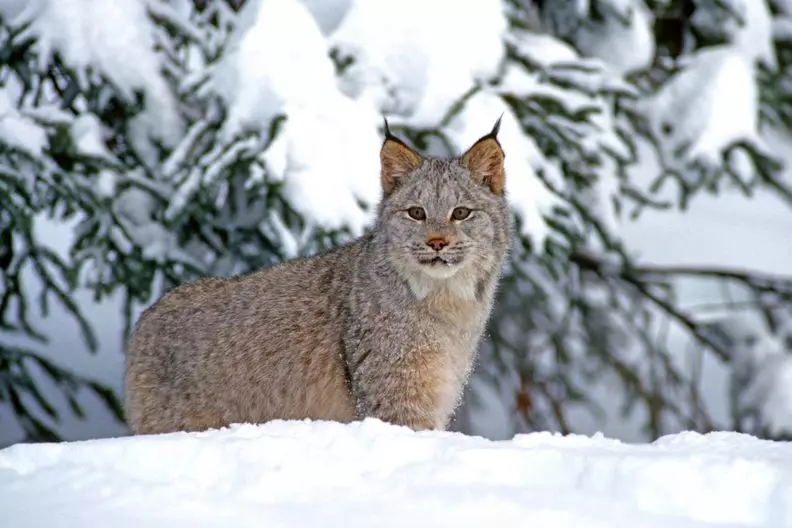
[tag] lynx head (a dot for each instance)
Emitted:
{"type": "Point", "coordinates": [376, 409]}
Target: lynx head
{"type": "Point", "coordinates": [440, 217]}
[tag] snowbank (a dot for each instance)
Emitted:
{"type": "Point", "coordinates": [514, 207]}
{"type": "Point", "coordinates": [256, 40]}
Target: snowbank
{"type": "Point", "coordinates": [295, 474]}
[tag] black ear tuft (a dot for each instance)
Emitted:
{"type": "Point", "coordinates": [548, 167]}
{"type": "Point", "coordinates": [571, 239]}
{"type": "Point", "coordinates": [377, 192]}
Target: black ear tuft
{"type": "Point", "coordinates": [496, 128]}
{"type": "Point", "coordinates": [390, 137]}
{"type": "Point", "coordinates": [493, 134]}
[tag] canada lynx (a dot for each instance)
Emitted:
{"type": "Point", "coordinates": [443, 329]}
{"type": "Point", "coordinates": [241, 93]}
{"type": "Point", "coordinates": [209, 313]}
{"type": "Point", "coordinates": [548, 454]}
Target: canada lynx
{"type": "Point", "coordinates": [386, 326]}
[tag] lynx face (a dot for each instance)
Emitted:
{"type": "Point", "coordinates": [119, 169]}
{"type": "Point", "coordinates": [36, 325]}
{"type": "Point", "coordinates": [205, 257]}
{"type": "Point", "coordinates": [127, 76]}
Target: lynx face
{"type": "Point", "coordinates": [443, 216]}
{"type": "Point", "coordinates": [443, 219]}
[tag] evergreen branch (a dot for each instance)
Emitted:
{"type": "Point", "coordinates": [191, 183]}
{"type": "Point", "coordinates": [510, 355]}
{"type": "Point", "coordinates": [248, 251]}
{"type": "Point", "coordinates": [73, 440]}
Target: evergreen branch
{"type": "Point", "coordinates": [638, 276]}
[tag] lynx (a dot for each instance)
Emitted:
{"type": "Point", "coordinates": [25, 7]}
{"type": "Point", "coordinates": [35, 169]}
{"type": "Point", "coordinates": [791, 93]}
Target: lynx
{"type": "Point", "coordinates": [386, 326]}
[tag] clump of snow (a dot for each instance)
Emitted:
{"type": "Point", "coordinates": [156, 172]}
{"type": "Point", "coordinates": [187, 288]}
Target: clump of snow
{"type": "Point", "coordinates": [332, 163]}
{"type": "Point", "coordinates": [541, 48]}
{"type": "Point", "coordinates": [328, 13]}
{"type": "Point", "coordinates": [621, 33]}
{"type": "Point", "coordinates": [747, 24]}
{"type": "Point", "coordinates": [696, 109]}
{"type": "Point", "coordinates": [418, 58]}
{"type": "Point", "coordinates": [327, 151]}
{"type": "Point", "coordinates": [114, 38]}
{"type": "Point", "coordinates": [19, 131]}
{"type": "Point", "coordinates": [88, 136]}
{"type": "Point", "coordinates": [134, 209]}
{"type": "Point", "coordinates": [774, 382]}
{"type": "Point", "coordinates": [623, 39]}
{"type": "Point", "coordinates": [756, 35]}
{"type": "Point", "coordinates": [275, 55]}
{"type": "Point", "coordinates": [295, 474]}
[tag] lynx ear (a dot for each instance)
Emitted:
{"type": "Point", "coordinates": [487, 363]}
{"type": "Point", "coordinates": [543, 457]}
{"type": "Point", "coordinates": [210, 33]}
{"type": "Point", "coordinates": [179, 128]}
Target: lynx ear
{"type": "Point", "coordinates": [485, 160]}
{"type": "Point", "coordinates": [397, 160]}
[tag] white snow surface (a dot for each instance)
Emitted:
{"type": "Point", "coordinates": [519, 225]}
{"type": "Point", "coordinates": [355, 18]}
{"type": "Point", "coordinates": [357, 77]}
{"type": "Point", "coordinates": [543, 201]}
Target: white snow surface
{"type": "Point", "coordinates": [369, 473]}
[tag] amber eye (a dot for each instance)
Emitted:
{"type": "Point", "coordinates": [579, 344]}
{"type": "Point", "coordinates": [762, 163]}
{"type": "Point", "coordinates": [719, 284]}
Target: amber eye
{"type": "Point", "coordinates": [417, 213]}
{"type": "Point", "coordinates": [460, 213]}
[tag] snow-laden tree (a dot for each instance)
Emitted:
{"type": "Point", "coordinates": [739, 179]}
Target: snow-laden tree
{"type": "Point", "coordinates": [189, 138]}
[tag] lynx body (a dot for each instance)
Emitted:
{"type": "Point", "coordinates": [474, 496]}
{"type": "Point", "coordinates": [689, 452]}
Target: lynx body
{"type": "Point", "coordinates": [386, 326]}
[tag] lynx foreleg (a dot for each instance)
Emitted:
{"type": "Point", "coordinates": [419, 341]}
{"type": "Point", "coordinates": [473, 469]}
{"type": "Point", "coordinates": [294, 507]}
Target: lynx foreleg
{"type": "Point", "coordinates": [408, 388]}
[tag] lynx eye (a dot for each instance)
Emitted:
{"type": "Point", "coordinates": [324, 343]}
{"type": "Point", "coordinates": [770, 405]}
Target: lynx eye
{"type": "Point", "coordinates": [417, 213]}
{"type": "Point", "coordinates": [460, 213]}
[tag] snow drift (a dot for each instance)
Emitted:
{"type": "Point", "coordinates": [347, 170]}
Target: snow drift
{"type": "Point", "coordinates": [295, 474]}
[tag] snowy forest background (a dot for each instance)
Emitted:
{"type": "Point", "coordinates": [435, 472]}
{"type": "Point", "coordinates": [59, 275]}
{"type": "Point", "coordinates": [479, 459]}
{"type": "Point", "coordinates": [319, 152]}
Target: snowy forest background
{"type": "Point", "coordinates": [144, 143]}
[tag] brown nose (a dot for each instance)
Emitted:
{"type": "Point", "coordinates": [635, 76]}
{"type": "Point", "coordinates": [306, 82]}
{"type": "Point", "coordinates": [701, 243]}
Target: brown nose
{"type": "Point", "coordinates": [437, 243]}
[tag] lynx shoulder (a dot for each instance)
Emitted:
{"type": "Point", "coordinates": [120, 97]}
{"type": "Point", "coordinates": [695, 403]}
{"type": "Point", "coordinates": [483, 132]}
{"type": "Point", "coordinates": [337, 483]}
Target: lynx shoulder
{"type": "Point", "coordinates": [386, 326]}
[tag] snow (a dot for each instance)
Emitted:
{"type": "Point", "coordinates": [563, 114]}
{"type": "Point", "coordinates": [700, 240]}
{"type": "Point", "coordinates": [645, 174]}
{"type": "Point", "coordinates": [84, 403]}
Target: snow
{"type": "Point", "coordinates": [134, 208]}
{"type": "Point", "coordinates": [622, 37]}
{"type": "Point", "coordinates": [545, 50]}
{"type": "Point", "coordinates": [328, 13]}
{"type": "Point", "coordinates": [19, 131]}
{"type": "Point", "coordinates": [747, 24]}
{"type": "Point", "coordinates": [365, 473]}
{"type": "Point", "coordinates": [419, 66]}
{"type": "Point", "coordinates": [331, 149]}
{"type": "Point", "coordinates": [327, 151]}
{"type": "Point", "coordinates": [88, 136]}
{"type": "Point", "coordinates": [116, 40]}
{"type": "Point", "coordinates": [277, 63]}
{"type": "Point", "coordinates": [755, 37]}
{"type": "Point", "coordinates": [695, 110]}
{"type": "Point", "coordinates": [255, 81]}
{"type": "Point", "coordinates": [592, 77]}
